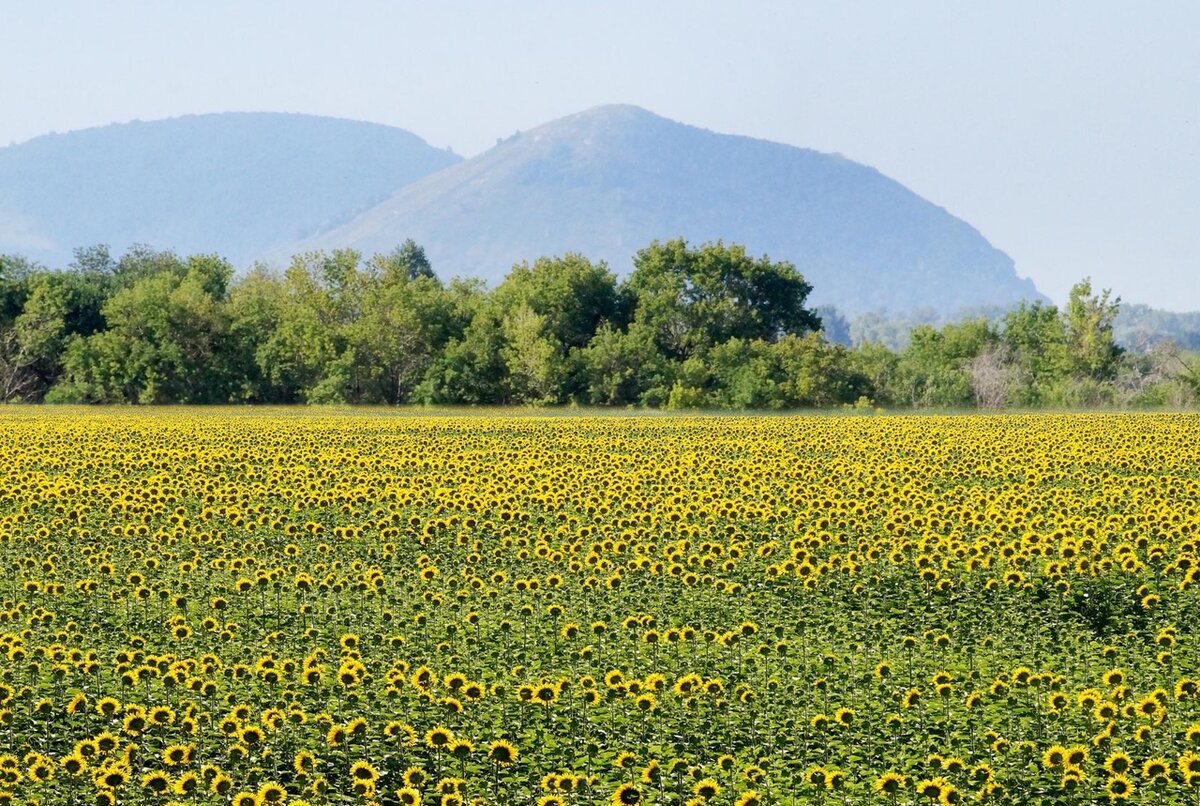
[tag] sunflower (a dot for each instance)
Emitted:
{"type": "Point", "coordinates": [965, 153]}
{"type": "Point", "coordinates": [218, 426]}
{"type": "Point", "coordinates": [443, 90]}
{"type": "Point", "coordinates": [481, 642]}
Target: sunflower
{"type": "Point", "coordinates": [438, 738]}
{"type": "Point", "coordinates": [363, 771]}
{"type": "Point", "coordinates": [174, 755]}
{"type": "Point", "coordinates": [75, 764]}
{"type": "Point", "coordinates": [1118, 763]}
{"type": "Point", "coordinates": [502, 753]}
{"type": "Point", "coordinates": [890, 783]}
{"type": "Point", "coordinates": [1054, 756]}
{"type": "Point", "coordinates": [336, 736]}
{"type": "Point", "coordinates": [134, 723]}
{"type": "Point", "coordinates": [1155, 769]}
{"type": "Point", "coordinates": [162, 715]}
{"type": "Point", "coordinates": [933, 788]}
{"type": "Point", "coordinates": [407, 796]}
{"type": "Point", "coordinates": [304, 763]}
{"type": "Point", "coordinates": [271, 793]}
{"type": "Point", "coordinates": [401, 733]}
{"type": "Point", "coordinates": [415, 777]}
{"type": "Point", "coordinates": [1075, 756]}
{"type": "Point", "coordinates": [626, 795]}
{"type": "Point", "coordinates": [449, 786]}
{"type": "Point", "coordinates": [221, 784]}
{"type": "Point", "coordinates": [156, 782]}
{"type": "Point", "coordinates": [111, 777]}
{"type": "Point", "coordinates": [1119, 788]}
{"type": "Point", "coordinates": [41, 769]}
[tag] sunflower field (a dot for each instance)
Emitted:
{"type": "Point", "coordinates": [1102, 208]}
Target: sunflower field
{"type": "Point", "coordinates": [245, 606]}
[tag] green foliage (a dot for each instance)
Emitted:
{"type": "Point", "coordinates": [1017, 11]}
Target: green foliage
{"type": "Point", "coordinates": [934, 369]}
{"type": "Point", "coordinates": [573, 295]}
{"type": "Point", "coordinates": [406, 320]}
{"type": "Point", "coordinates": [624, 367]}
{"type": "Point", "coordinates": [1088, 322]}
{"type": "Point", "coordinates": [1037, 338]}
{"type": "Point", "coordinates": [164, 341]}
{"type": "Point", "coordinates": [471, 369]}
{"type": "Point", "coordinates": [31, 344]}
{"type": "Point", "coordinates": [691, 327]}
{"type": "Point", "coordinates": [695, 299]}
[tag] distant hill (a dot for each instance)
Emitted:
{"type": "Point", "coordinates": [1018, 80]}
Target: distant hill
{"type": "Point", "coordinates": [605, 182]}
{"type": "Point", "coordinates": [1139, 327]}
{"type": "Point", "coordinates": [608, 181]}
{"type": "Point", "coordinates": [235, 183]}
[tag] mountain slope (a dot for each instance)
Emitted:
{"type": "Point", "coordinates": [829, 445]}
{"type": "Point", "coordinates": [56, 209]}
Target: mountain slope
{"type": "Point", "coordinates": [608, 181]}
{"type": "Point", "coordinates": [234, 183]}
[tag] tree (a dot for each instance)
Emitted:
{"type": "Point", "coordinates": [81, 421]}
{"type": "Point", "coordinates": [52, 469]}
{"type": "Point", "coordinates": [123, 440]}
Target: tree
{"type": "Point", "coordinates": [619, 368]}
{"type": "Point", "coordinates": [96, 261]}
{"type": "Point", "coordinates": [30, 347]}
{"type": "Point", "coordinates": [1037, 345]}
{"type": "Point", "coordinates": [738, 375]}
{"type": "Point", "coordinates": [406, 261]}
{"type": "Point", "coordinates": [815, 373]}
{"type": "Point", "coordinates": [472, 368]}
{"type": "Point", "coordinates": [934, 369]}
{"type": "Point", "coordinates": [164, 341]}
{"type": "Point", "coordinates": [993, 377]}
{"type": "Point", "coordinates": [321, 293]}
{"type": "Point", "coordinates": [550, 309]}
{"type": "Point", "coordinates": [876, 364]}
{"type": "Point", "coordinates": [407, 319]}
{"type": "Point", "coordinates": [834, 326]}
{"type": "Point", "coordinates": [255, 309]}
{"type": "Point", "coordinates": [573, 294]}
{"type": "Point", "coordinates": [534, 362]}
{"type": "Point", "coordinates": [15, 272]}
{"type": "Point", "coordinates": [1091, 349]}
{"type": "Point", "coordinates": [695, 299]}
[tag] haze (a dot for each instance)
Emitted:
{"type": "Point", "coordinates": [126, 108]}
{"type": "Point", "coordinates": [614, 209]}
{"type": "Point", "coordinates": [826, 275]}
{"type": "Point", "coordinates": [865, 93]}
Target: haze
{"type": "Point", "coordinates": [1067, 134]}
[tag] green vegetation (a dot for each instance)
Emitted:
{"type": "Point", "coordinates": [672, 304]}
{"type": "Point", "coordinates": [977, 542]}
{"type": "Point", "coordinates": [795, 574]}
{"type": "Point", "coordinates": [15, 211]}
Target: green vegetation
{"type": "Point", "coordinates": [689, 327]}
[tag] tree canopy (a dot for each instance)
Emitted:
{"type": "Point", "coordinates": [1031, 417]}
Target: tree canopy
{"type": "Point", "coordinates": [690, 326]}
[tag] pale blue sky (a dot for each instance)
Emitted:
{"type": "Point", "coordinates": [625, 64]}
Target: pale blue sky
{"type": "Point", "coordinates": [1067, 133]}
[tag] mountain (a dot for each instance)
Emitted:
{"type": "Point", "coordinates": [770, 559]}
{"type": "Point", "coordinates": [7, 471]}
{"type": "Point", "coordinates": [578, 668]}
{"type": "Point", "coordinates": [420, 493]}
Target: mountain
{"type": "Point", "coordinates": [1138, 327]}
{"type": "Point", "coordinates": [234, 183]}
{"type": "Point", "coordinates": [608, 181]}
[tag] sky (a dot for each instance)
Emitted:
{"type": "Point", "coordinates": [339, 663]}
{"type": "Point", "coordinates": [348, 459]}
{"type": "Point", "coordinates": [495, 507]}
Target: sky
{"type": "Point", "coordinates": [1068, 133]}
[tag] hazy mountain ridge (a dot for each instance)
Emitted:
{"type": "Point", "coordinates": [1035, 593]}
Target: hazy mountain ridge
{"type": "Point", "coordinates": [237, 183]}
{"type": "Point", "coordinates": [607, 181]}
{"type": "Point", "coordinates": [604, 182]}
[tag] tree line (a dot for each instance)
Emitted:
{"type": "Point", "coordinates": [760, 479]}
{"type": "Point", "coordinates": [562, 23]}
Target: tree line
{"type": "Point", "coordinates": [689, 327]}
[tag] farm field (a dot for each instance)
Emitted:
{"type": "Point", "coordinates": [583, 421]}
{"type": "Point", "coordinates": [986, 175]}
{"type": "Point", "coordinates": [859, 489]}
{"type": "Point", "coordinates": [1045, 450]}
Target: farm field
{"type": "Point", "coordinates": [244, 606]}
